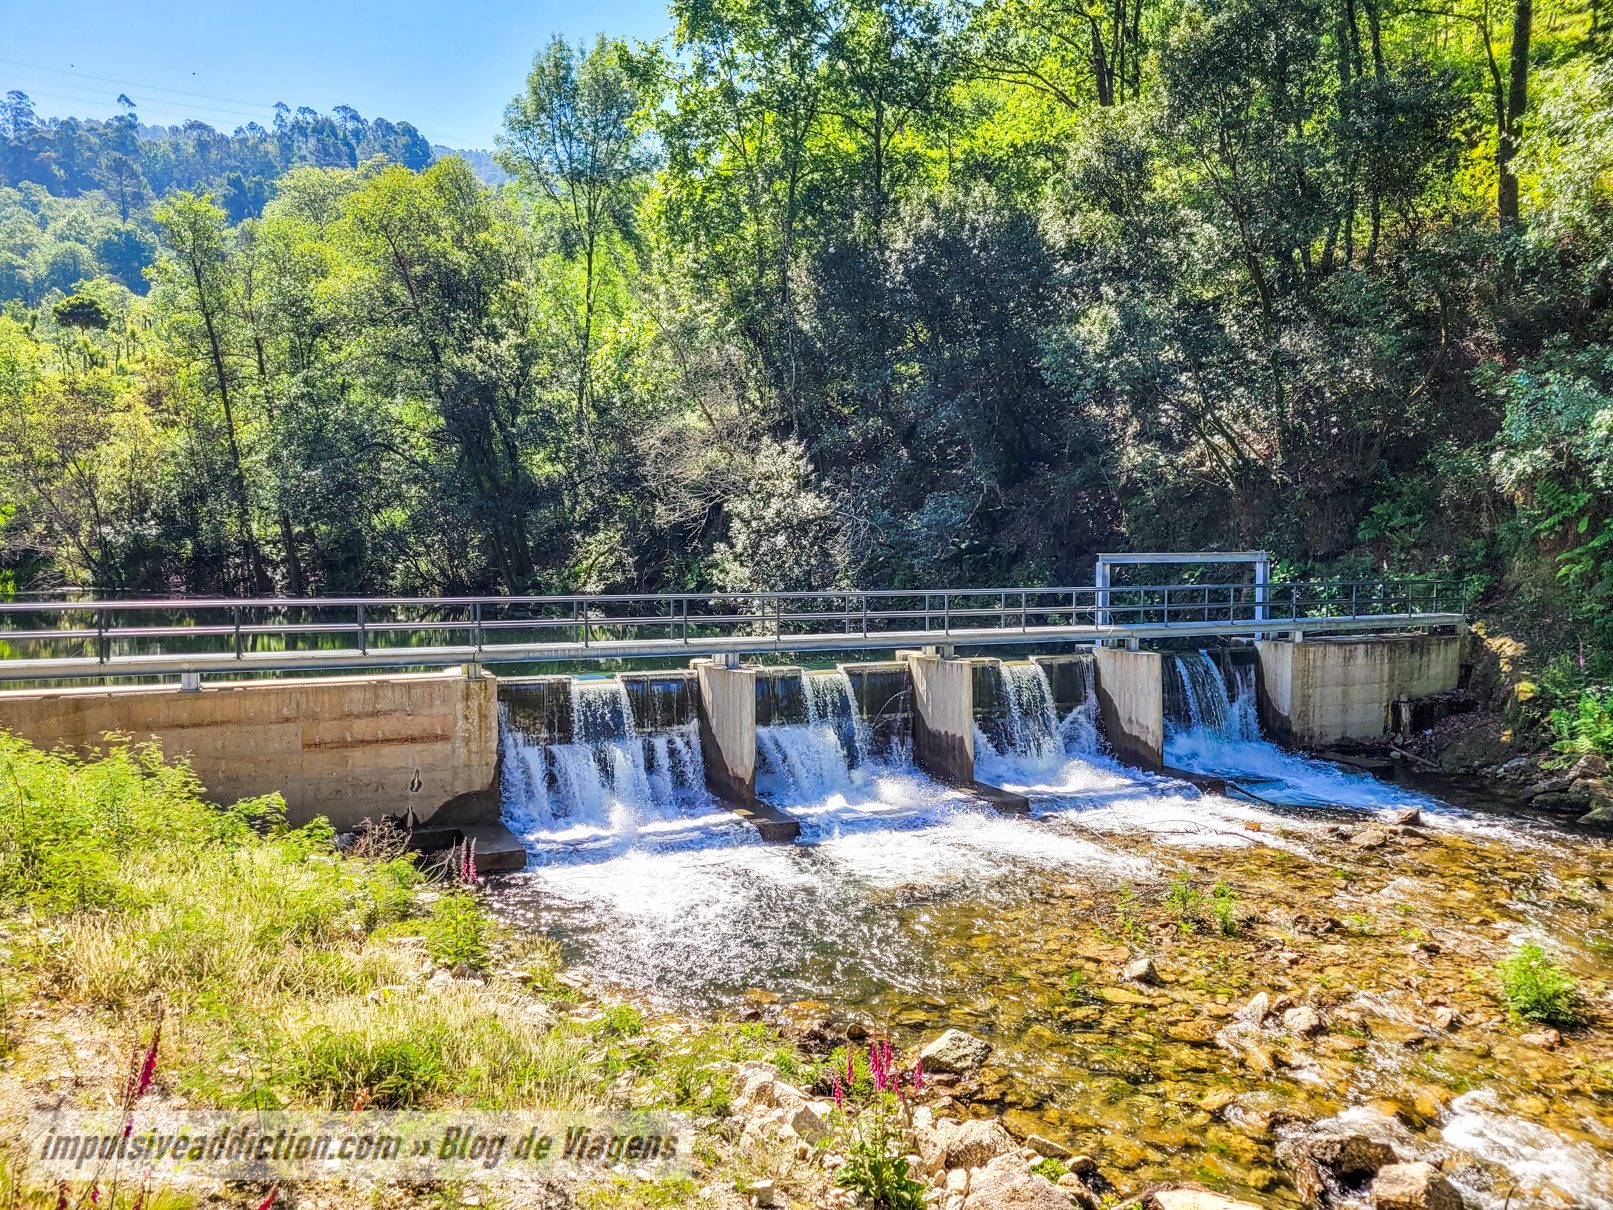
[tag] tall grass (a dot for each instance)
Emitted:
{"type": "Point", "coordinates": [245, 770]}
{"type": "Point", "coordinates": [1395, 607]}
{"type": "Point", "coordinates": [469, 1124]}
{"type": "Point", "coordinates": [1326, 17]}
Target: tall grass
{"type": "Point", "coordinates": [285, 964]}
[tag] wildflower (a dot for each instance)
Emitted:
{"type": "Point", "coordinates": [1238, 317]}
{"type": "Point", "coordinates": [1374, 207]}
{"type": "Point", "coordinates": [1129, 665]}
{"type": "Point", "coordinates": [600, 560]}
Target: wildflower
{"type": "Point", "coordinates": [269, 1201]}
{"type": "Point", "coordinates": [140, 1198]}
{"type": "Point", "coordinates": [95, 1195]}
{"type": "Point", "coordinates": [918, 1075]}
{"type": "Point", "coordinates": [840, 1095]}
{"type": "Point", "coordinates": [851, 1068]}
{"type": "Point", "coordinates": [61, 1195]}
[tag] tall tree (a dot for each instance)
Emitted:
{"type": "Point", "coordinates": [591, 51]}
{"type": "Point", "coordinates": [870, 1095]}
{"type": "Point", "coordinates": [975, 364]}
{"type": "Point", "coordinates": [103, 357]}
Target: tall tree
{"type": "Point", "coordinates": [196, 287]}
{"type": "Point", "coordinates": [570, 138]}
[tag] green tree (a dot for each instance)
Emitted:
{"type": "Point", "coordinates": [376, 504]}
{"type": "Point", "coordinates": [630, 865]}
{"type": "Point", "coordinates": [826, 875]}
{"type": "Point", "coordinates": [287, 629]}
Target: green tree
{"type": "Point", "coordinates": [196, 294]}
{"type": "Point", "coordinates": [571, 140]}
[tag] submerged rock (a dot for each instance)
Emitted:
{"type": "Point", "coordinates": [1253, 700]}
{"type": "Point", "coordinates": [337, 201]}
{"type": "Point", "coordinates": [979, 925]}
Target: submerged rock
{"type": "Point", "coordinates": [1369, 838]}
{"type": "Point", "coordinates": [1302, 1020]}
{"type": "Point", "coordinates": [1413, 1187]}
{"type": "Point", "coordinates": [955, 1053]}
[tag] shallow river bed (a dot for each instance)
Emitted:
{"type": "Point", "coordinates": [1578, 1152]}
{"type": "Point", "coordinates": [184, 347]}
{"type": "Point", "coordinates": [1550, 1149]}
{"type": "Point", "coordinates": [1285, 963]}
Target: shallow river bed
{"type": "Point", "coordinates": [908, 908]}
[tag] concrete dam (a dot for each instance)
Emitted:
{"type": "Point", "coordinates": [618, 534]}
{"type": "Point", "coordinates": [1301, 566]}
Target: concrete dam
{"type": "Point", "coordinates": [459, 750]}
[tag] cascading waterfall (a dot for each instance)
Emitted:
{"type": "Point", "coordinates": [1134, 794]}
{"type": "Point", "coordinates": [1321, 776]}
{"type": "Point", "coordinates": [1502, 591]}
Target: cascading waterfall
{"type": "Point", "coordinates": [608, 779]}
{"type": "Point", "coordinates": [1033, 725]}
{"type": "Point", "coordinates": [1078, 730]}
{"type": "Point", "coordinates": [800, 762]}
{"type": "Point", "coordinates": [1209, 706]}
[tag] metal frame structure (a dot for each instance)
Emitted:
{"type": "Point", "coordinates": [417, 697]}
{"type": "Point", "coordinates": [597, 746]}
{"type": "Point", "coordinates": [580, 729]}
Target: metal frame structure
{"type": "Point", "coordinates": [67, 640]}
{"type": "Point", "coordinates": [1260, 559]}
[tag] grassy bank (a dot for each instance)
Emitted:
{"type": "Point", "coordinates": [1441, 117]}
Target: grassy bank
{"type": "Point", "coordinates": [283, 973]}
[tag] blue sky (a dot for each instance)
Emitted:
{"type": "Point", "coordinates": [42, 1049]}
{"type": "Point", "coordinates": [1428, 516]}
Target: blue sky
{"type": "Point", "coordinates": [448, 68]}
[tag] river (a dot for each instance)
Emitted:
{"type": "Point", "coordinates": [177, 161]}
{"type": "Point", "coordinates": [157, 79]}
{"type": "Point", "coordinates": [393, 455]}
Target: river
{"type": "Point", "coordinates": [907, 906]}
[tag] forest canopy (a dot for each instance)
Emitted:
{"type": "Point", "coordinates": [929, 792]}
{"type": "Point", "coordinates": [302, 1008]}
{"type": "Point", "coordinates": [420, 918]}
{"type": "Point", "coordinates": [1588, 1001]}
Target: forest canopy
{"type": "Point", "coordinates": [818, 293]}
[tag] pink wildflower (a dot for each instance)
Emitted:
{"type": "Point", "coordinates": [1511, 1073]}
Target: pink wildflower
{"type": "Point", "coordinates": [61, 1195]}
{"type": "Point", "coordinates": [918, 1075]}
{"type": "Point", "coordinates": [840, 1095]}
{"type": "Point", "coordinates": [269, 1201]}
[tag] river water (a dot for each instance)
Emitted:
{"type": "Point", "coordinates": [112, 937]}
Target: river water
{"type": "Point", "coordinates": [908, 906]}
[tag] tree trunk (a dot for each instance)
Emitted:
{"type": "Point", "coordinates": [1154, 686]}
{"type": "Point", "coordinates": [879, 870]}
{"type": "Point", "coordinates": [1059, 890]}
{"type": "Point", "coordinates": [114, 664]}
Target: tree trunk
{"type": "Point", "coordinates": [1506, 147]}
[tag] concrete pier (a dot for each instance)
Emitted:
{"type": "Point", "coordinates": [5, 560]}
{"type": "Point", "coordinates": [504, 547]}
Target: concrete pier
{"type": "Point", "coordinates": [943, 716]}
{"type": "Point", "coordinates": [1326, 690]}
{"type": "Point", "coordinates": [1131, 701]}
{"type": "Point", "coordinates": [944, 727]}
{"type": "Point", "coordinates": [347, 748]}
{"type": "Point", "coordinates": [726, 705]}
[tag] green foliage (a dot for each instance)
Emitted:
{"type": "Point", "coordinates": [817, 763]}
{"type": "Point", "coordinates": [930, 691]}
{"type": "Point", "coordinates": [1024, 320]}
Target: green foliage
{"type": "Point", "coordinates": [392, 1073]}
{"type": "Point", "coordinates": [1536, 988]}
{"type": "Point", "coordinates": [623, 1020]}
{"type": "Point", "coordinates": [876, 1163]}
{"type": "Point", "coordinates": [1224, 909]}
{"type": "Point", "coordinates": [457, 932]}
{"type": "Point", "coordinates": [1051, 1168]}
{"type": "Point", "coordinates": [1194, 909]}
{"type": "Point", "coordinates": [82, 311]}
{"type": "Point", "coordinates": [66, 824]}
{"type": "Point", "coordinates": [1586, 727]}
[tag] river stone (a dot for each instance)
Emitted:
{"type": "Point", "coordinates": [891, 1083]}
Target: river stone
{"type": "Point", "coordinates": [1546, 1039]}
{"type": "Point", "coordinates": [1413, 1187]}
{"type": "Point", "coordinates": [1550, 785]}
{"type": "Point", "coordinates": [1202, 1030]}
{"type": "Point", "coordinates": [1007, 1186]}
{"type": "Point", "coordinates": [1255, 1011]}
{"type": "Point", "coordinates": [1369, 838]}
{"type": "Point", "coordinates": [1344, 1154]}
{"type": "Point", "coordinates": [1195, 1199]}
{"type": "Point", "coordinates": [1140, 970]}
{"type": "Point", "coordinates": [963, 1144]}
{"type": "Point", "coordinates": [1047, 1148]}
{"type": "Point", "coordinates": [1406, 817]}
{"type": "Point", "coordinates": [955, 1053]}
{"type": "Point", "coordinates": [1592, 764]}
{"type": "Point", "coordinates": [1560, 802]}
{"type": "Point", "coordinates": [1302, 1020]}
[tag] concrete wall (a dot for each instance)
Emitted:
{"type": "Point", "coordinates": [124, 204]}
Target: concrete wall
{"type": "Point", "coordinates": [727, 708]}
{"type": "Point", "coordinates": [1131, 699]}
{"type": "Point", "coordinates": [348, 748]}
{"type": "Point", "coordinates": [943, 716]}
{"type": "Point", "coordinates": [1322, 691]}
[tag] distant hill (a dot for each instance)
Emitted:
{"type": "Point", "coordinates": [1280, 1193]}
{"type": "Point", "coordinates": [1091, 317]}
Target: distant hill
{"type": "Point", "coordinates": [75, 194]}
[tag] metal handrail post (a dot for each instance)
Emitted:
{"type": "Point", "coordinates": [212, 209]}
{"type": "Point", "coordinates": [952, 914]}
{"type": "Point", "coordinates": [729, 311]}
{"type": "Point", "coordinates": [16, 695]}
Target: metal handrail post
{"type": "Point", "coordinates": [363, 638]}
{"type": "Point", "coordinates": [946, 613]}
{"type": "Point", "coordinates": [476, 618]}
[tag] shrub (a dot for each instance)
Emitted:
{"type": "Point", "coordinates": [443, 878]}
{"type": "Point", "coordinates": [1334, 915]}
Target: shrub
{"type": "Point", "coordinates": [65, 823]}
{"type": "Point", "coordinates": [1586, 728]}
{"type": "Point", "coordinates": [876, 1166]}
{"type": "Point", "coordinates": [1536, 988]}
{"type": "Point", "coordinates": [1224, 909]}
{"type": "Point", "coordinates": [457, 932]}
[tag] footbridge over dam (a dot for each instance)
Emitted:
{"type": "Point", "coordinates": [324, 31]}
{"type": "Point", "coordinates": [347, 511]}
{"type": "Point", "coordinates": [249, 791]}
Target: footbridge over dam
{"type": "Point", "coordinates": [355, 708]}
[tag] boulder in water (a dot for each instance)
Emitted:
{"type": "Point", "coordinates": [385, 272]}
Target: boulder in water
{"type": "Point", "coordinates": [1369, 838]}
{"type": "Point", "coordinates": [1406, 817]}
{"type": "Point", "coordinates": [955, 1052]}
{"type": "Point", "coordinates": [1413, 1187]}
{"type": "Point", "coordinates": [1321, 1164]}
{"type": "Point", "coordinates": [1139, 970]}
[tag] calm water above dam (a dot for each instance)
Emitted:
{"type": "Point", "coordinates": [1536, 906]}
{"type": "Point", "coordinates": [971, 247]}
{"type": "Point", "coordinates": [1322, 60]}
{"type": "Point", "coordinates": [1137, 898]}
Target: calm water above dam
{"type": "Point", "coordinates": [907, 905]}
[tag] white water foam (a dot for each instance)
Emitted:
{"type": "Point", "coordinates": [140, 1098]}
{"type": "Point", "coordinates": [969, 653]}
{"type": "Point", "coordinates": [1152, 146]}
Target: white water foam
{"type": "Point", "coordinates": [610, 788]}
{"type": "Point", "coordinates": [1223, 740]}
{"type": "Point", "coordinates": [1532, 1155]}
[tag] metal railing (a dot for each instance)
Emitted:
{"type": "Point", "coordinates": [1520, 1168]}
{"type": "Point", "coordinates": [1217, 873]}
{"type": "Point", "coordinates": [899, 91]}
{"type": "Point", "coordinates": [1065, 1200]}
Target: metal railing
{"type": "Point", "coordinates": [67, 639]}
